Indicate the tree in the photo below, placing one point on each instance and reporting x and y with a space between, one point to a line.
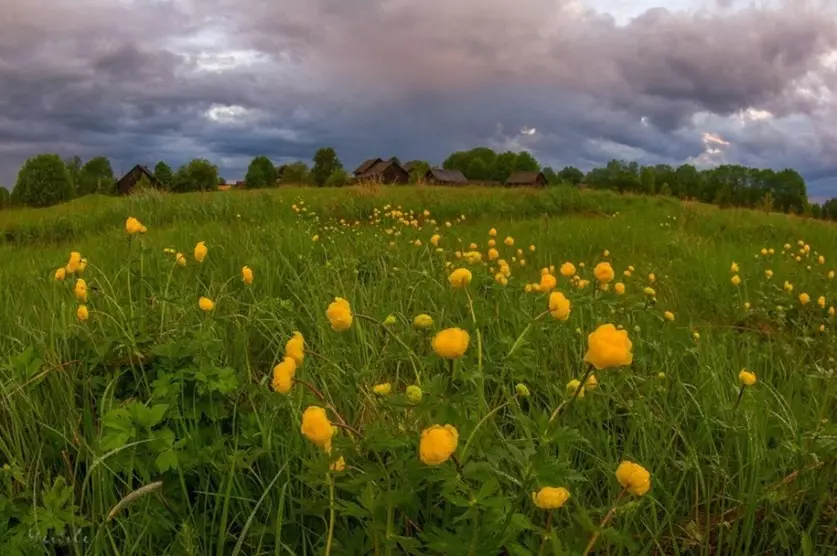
325 164
571 175
296 173
551 176
478 170
74 165
647 180
180 182
162 172
418 170
96 177
395 160
203 175
338 178
5 198
43 181
221 181
260 173
525 162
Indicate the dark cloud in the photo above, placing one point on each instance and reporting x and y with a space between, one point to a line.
230 79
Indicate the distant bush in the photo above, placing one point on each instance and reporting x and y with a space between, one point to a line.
43 181
338 178
260 173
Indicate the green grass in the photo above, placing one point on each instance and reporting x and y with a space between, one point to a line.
151 389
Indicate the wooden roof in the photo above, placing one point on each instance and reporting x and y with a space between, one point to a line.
445 176
525 178
367 165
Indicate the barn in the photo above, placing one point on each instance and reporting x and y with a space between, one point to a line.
530 179
440 176
381 171
126 183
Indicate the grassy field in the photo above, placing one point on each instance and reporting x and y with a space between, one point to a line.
154 427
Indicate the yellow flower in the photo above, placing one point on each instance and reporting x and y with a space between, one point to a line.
460 278
661 376
522 390
821 260
619 288
206 304
831 311
390 320
509 241
527 288
493 254
283 375
492 232
82 313
74 262
61 273
338 465
747 306
317 428
382 389
768 274
492 243
451 343
736 280
295 348
567 269
821 302
532 248
414 393
746 378
417 243
548 282
573 386
651 277
763 251
559 306
606 253
734 267
603 272
634 478
550 498
669 316
82 265
315 238
473 246
788 286
831 275
649 291
247 275
696 335
423 321
200 251
804 298
473 257
339 314
180 259
133 226
608 347
80 290
591 383
437 444
434 240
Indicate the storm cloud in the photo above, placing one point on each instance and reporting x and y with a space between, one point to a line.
575 82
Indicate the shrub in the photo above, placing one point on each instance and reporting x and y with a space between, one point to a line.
43 181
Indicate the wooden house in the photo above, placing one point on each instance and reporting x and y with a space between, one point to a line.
530 179
440 176
126 183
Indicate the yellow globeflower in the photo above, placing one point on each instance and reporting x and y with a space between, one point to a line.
831 311
567 269
180 259
423 321
437 444
317 428
821 301
247 275
669 316
652 277
509 241
460 278
591 383
338 465
532 248
295 348
82 265
733 267
788 286
608 347
339 314
831 275
804 298
414 393
382 389
603 272
283 375
649 292
493 254
550 498
61 273
80 290
74 262
619 288
492 232
200 251
574 386
821 260
736 280
559 306
634 478
206 304
434 240
492 243
547 282
768 274
82 313
451 343
522 390
746 378
133 226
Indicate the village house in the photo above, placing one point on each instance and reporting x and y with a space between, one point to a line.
531 179
126 183
440 176
382 171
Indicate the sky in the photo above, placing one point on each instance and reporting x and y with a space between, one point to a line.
575 82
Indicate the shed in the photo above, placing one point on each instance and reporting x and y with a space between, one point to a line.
385 171
440 176
366 166
126 183
532 179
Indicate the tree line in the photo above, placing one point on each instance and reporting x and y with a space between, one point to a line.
46 179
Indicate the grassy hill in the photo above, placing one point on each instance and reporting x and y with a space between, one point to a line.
152 426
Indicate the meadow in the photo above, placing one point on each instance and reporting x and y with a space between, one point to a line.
299 406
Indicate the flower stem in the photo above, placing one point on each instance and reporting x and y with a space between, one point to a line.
578 391
392 334
603 524
342 422
523 334
546 535
330 537
740 395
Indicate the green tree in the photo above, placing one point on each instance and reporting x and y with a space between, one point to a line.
525 162
96 177
551 176
181 182
478 170
74 164
5 198
647 180
665 190
163 173
43 181
338 178
260 173
296 173
571 175
418 170
504 165
203 175
325 164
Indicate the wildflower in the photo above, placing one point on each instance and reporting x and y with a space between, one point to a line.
768 274
492 243
528 288
603 272
74 262
574 386
619 288
339 314
763 251
315 238
492 232
493 254
338 465
82 313
448 224
283 375
247 275
532 248
559 306
649 291
696 335
831 275
634 478
509 241
180 259
437 444
473 257
473 246
567 269
200 251
414 393
733 267
606 253
451 343
60 274
804 298
82 265
423 321
831 311
608 347
382 389
627 274
390 320
460 278
547 282
591 383
417 243
669 316
736 280
652 277
206 304
522 390
661 376
746 378
133 226
295 348
317 428
434 240
788 286
821 260
747 306
550 498
822 328
80 290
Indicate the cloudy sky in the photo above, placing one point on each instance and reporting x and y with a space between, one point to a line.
573 81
